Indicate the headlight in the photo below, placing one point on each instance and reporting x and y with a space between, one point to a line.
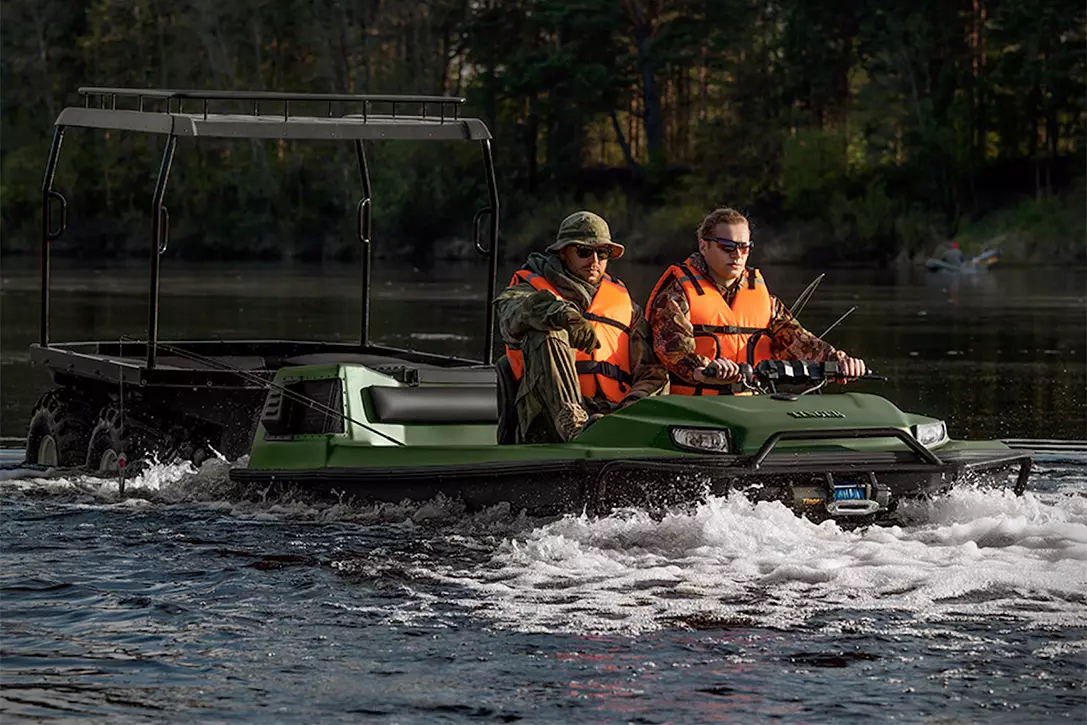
704 440
930 434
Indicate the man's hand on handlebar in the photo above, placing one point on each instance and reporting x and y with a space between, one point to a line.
850 367
718 371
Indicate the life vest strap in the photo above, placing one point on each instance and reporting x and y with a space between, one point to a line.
606 321
689 275
525 274
726 330
607 369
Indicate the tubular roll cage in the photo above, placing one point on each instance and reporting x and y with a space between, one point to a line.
348 117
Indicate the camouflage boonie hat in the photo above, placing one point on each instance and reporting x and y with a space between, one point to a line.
584 227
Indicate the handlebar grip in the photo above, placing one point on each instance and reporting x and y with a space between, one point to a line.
746 371
831 371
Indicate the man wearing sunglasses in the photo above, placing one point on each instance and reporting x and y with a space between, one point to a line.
708 310
578 346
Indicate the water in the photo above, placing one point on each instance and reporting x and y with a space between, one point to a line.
185 601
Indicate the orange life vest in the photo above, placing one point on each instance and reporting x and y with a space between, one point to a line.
721 330
611 313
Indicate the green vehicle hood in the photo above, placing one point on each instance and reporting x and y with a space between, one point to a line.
751 420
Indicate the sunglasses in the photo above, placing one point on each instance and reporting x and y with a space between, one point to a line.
585 252
729 245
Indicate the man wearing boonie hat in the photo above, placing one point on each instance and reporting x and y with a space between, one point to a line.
576 343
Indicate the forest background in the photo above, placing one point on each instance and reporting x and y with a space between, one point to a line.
859 131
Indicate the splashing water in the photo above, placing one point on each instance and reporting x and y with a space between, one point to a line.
971 553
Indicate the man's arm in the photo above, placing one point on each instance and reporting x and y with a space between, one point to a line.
673 334
522 308
650 376
790 341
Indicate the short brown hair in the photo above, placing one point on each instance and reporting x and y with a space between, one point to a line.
717 216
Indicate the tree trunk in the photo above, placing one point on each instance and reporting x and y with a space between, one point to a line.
627 155
532 136
651 102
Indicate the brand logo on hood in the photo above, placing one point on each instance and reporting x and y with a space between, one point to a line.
816 414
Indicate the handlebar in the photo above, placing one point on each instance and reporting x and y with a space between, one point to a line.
790 372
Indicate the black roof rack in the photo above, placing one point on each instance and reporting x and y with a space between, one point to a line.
238 114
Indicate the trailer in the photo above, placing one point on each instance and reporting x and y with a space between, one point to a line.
125 401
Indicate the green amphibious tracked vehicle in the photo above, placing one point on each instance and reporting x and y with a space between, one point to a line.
384 424
387 437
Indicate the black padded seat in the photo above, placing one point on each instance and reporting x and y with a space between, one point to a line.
463 404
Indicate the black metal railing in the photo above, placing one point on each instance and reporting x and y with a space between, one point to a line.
419 107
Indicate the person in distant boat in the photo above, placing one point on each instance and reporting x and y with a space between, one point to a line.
577 344
953 255
705 311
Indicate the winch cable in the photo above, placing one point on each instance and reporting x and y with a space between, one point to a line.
122 459
269 384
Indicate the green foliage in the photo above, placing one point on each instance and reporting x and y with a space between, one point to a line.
21 201
813 169
656 234
1049 229
915 227
884 125
423 194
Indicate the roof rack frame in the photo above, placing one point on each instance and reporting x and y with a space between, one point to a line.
448 125
99 98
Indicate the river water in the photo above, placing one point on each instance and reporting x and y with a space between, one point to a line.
183 602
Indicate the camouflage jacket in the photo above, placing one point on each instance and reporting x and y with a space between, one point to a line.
673 335
518 314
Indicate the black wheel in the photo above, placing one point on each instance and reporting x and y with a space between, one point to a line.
113 436
193 450
59 430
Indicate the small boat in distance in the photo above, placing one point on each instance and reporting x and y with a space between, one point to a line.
952 260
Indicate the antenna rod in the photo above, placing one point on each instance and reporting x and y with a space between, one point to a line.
838 321
802 300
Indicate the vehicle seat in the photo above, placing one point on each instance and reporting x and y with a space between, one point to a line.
433 404
507 402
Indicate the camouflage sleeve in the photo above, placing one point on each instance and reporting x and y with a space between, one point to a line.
790 341
673 334
523 308
650 376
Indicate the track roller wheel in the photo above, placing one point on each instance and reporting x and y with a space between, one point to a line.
59 430
191 450
112 437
